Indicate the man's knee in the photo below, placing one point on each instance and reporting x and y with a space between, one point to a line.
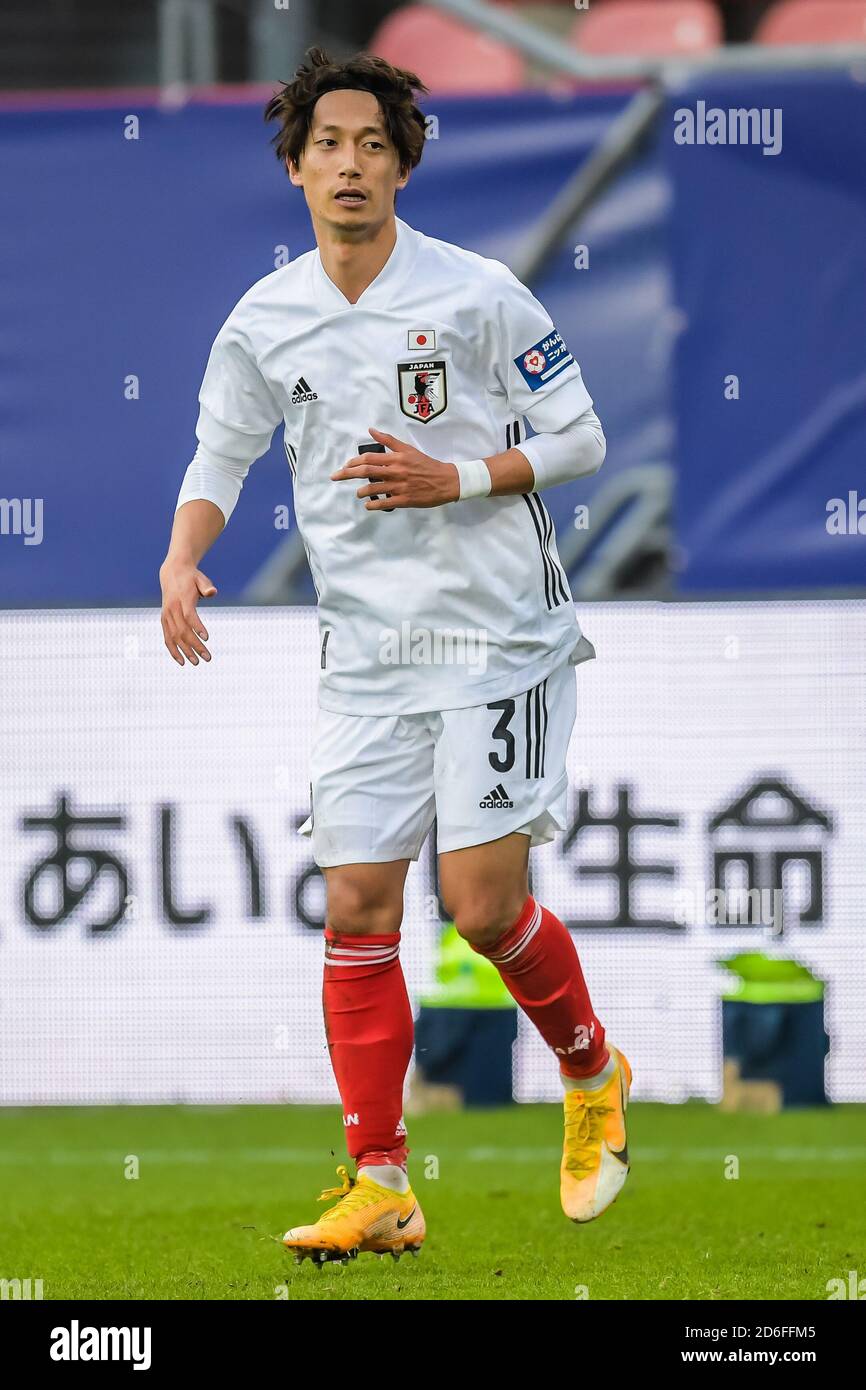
482 918
485 887
363 902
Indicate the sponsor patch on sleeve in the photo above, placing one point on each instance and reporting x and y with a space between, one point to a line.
543 361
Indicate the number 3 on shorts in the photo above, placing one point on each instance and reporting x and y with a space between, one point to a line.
503 762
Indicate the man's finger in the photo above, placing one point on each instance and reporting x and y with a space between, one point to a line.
193 622
374 488
190 639
199 648
187 651
390 440
361 465
176 643
180 631
387 504
169 642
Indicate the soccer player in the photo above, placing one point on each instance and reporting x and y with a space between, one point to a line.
403 369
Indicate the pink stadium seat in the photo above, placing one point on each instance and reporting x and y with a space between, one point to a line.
446 54
814 21
647 26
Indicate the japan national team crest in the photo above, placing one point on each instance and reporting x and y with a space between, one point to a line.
423 389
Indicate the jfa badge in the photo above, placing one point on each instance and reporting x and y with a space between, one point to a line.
423 389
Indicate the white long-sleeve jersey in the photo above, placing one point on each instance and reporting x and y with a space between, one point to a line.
419 608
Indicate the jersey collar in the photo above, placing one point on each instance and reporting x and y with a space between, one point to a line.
379 292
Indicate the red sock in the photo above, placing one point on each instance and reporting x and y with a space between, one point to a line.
539 966
368 1023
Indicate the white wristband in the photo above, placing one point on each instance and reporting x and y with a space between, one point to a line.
475 479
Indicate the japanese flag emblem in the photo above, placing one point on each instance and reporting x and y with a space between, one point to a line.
422 340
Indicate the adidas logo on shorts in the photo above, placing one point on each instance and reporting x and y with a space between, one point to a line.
303 393
497 800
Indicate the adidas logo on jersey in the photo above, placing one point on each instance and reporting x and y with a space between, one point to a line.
302 392
497 800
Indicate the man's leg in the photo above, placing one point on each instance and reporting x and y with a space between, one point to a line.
502 766
368 1018
372 807
368 1022
485 890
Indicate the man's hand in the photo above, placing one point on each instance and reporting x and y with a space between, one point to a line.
182 586
408 477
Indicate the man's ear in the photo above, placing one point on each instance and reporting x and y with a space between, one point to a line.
294 172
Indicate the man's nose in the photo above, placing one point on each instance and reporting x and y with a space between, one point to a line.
349 160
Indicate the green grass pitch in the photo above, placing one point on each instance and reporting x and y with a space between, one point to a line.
215 1184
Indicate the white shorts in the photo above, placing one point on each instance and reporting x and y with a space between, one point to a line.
378 781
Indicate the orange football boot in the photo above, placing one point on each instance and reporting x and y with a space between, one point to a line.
366 1217
595 1151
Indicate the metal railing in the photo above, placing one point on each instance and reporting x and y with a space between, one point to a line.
551 52
188 50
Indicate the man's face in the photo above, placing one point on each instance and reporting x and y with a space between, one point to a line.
349 169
